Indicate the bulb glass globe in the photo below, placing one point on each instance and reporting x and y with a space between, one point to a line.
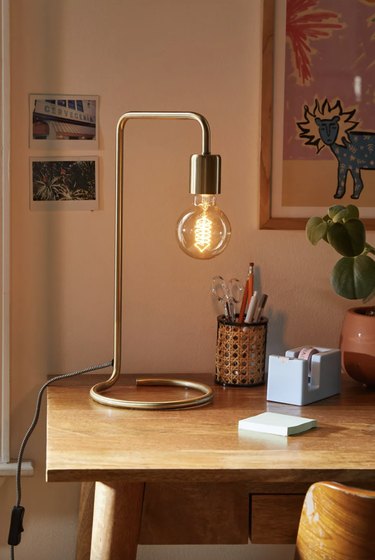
203 231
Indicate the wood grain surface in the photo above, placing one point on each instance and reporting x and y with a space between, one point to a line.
88 441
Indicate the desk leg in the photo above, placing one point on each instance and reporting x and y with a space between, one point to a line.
86 508
116 521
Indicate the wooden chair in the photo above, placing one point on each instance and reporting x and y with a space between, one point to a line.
337 523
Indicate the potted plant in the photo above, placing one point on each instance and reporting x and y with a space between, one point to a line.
352 277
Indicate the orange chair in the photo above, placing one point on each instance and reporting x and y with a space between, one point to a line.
337 523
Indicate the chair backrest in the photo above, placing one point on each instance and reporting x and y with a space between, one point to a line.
337 523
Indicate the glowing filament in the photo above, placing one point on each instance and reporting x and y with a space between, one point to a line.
203 233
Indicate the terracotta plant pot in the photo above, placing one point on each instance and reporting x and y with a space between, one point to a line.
357 344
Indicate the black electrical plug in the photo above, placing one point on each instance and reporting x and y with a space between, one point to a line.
16 527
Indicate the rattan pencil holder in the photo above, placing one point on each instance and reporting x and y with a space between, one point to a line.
240 352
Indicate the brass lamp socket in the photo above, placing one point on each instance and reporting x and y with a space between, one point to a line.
205 174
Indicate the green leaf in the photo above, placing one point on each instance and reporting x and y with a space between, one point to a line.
333 210
316 229
345 214
352 212
354 277
348 239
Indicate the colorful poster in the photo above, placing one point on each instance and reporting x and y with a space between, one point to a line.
326 111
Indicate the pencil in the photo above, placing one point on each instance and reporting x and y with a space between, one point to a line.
248 292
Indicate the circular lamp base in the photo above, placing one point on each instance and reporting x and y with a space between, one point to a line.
205 397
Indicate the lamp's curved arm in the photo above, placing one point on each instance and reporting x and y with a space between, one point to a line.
174 115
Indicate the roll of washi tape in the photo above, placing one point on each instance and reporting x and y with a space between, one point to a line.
307 353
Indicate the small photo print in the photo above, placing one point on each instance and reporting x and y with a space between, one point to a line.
64 183
60 120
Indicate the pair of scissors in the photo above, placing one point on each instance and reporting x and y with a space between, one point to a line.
229 293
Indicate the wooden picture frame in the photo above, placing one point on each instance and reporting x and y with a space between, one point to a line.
268 217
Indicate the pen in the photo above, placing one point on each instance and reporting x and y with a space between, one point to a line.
250 281
262 303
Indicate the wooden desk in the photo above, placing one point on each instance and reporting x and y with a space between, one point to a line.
159 473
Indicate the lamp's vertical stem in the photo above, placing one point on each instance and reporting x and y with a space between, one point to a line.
118 247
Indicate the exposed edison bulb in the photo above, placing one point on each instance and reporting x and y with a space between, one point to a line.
203 231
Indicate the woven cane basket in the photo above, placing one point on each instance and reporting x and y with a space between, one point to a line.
240 352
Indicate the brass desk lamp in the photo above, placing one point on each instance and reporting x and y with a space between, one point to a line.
202 232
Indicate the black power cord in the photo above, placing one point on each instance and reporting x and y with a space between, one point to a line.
16 522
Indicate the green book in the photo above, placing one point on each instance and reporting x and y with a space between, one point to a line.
275 423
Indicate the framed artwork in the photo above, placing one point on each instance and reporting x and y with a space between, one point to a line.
64 183
58 121
318 110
